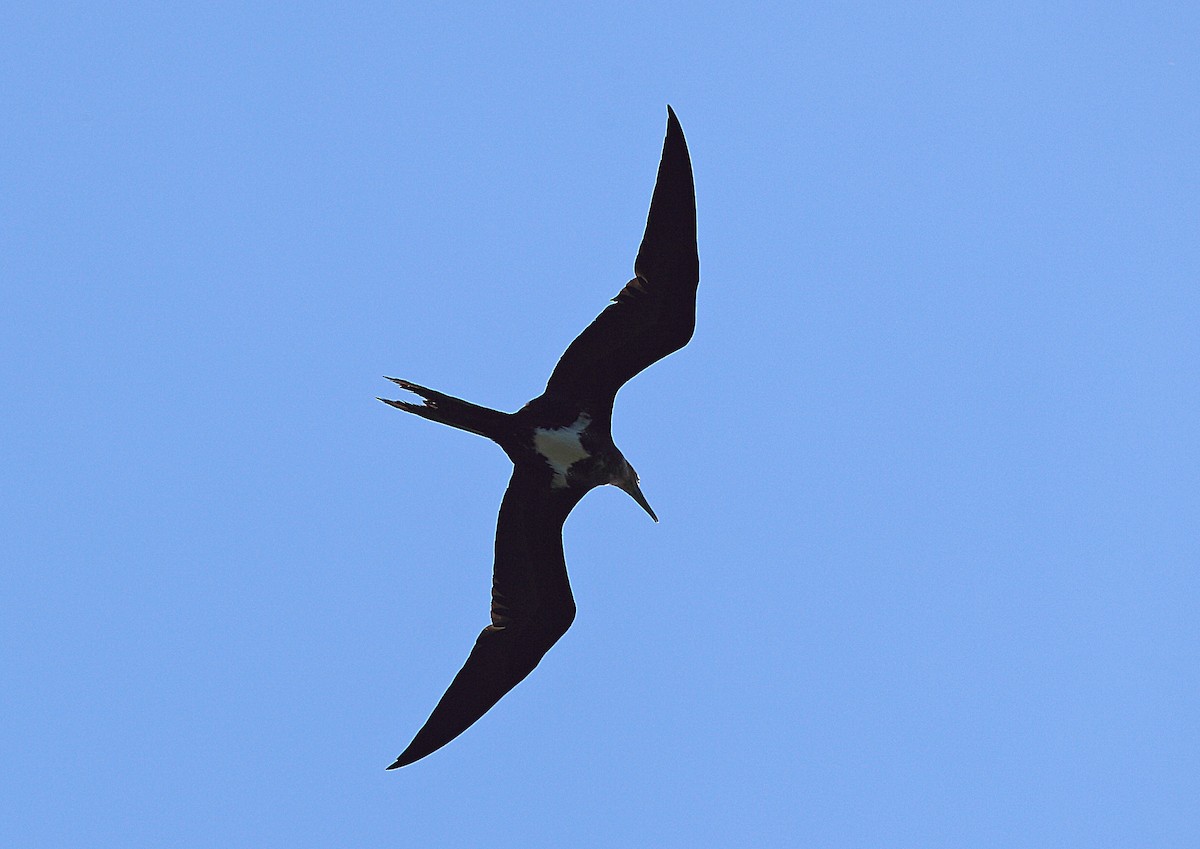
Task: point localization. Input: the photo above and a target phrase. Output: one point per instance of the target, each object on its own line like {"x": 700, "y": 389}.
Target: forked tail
{"x": 451, "y": 411}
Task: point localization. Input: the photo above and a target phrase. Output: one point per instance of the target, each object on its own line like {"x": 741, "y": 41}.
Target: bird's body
{"x": 561, "y": 447}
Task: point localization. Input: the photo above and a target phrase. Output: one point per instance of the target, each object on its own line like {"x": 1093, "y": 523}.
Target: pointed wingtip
{"x": 668, "y": 249}
{"x": 407, "y": 757}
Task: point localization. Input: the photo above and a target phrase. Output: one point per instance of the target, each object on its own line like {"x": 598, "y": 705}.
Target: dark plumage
{"x": 561, "y": 446}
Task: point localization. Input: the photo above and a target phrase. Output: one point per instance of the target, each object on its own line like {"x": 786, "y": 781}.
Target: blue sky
{"x": 928, "y": 473}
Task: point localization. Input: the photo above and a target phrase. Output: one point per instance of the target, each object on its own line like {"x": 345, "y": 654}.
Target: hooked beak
{"x": 635, "y": 492}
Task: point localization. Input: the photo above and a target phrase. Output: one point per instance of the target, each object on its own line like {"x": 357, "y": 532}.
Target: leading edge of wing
{"x": 532, "y": 607}
{"x": 655, "y": 313}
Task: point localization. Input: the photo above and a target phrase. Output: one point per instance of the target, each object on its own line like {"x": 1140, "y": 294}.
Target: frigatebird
{"x": 561, "y": 447}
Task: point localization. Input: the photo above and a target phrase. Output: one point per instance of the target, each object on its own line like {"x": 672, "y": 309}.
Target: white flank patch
{"x": 560, "y": 447}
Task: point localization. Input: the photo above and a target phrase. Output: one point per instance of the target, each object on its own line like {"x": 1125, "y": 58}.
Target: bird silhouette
{"x": 561, "y": 446}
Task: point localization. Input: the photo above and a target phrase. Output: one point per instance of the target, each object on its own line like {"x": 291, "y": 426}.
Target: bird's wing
{"x": 532, "y": 607}
{"x": 655, "y": 314}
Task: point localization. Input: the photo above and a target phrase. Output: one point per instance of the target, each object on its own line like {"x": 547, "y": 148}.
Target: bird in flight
{"x": 561, "y": 446}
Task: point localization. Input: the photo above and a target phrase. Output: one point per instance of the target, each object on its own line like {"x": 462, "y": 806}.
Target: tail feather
{"x": 452, "y": 411}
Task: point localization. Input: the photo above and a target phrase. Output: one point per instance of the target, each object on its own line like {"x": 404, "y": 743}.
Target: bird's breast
{"x": 561, "y": 448}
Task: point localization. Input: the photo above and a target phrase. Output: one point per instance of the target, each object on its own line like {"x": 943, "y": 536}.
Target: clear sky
{"x": 928, "y": 474}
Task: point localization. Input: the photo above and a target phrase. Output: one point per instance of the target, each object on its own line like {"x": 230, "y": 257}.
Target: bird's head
{"x": 627, "y": 479}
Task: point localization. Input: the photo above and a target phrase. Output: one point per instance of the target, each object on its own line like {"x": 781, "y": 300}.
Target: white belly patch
{"x": 560, "y": 447}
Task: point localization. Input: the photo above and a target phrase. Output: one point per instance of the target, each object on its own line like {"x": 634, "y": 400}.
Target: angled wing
{"x": 655, "y": 314}
{"x": 532, "y": 607}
